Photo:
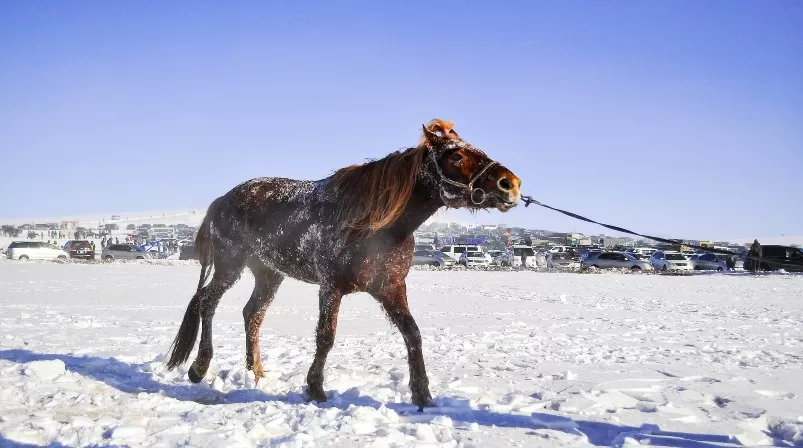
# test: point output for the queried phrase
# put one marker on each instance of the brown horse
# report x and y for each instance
(351, 232)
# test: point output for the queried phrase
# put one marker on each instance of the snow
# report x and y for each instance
(514, 359)
(45, 370)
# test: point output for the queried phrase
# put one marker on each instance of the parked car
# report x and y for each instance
(475, 259)
(498, 257)
(506, 258)
(425, 247)
(432, 258)
(727, 258)
(124, 252)
(187, 252)
(607, 260)
(35, 250)
(518, 251)
(161, 234)
(543, 258)
(562, 261)
(670, 261)
(80, 249)
(791, 257)
(501, 258)
(643, 252)
(739, 264)
(591, 252)
(454, 251)
(555, 249)
(707, 262)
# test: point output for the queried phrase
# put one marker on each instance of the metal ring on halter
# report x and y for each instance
(484, 196)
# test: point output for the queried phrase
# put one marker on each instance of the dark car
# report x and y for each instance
(187, 252)
(787, 258)
(80, 249)
(431, 258)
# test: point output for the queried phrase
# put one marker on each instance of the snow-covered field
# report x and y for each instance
(514, 359)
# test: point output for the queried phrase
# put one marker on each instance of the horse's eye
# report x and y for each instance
(455, 157)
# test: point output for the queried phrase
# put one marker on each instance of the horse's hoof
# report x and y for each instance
(316, 394)
(423, 402)
(194, 376)
(258, 374)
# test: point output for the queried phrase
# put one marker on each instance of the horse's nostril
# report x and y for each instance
(504, 184)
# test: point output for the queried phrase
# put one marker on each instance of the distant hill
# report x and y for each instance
(190, 217)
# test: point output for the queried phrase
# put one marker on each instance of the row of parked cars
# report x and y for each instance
(773, 257)
(641, 258)
(470, 256)
(653, 259)
(80, 249)
(662, 261)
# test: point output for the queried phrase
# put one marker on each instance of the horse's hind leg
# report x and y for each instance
(266, 283)
(329, 305)
(224, 277)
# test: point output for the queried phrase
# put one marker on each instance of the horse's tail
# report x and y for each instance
(204, 248)
(188, 332)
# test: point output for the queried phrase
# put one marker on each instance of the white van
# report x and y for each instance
(35, 250)
(454, 251)
(518, 251)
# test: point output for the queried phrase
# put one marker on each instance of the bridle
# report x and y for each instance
(470, 185)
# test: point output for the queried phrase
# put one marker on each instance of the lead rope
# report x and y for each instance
(530, 200)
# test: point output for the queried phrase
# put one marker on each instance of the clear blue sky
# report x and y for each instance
(679, 118)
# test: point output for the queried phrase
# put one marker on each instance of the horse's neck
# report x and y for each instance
(423, 203)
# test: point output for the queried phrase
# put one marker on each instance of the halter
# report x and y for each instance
(470, 185)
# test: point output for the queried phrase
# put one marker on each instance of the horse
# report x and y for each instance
(350, 232)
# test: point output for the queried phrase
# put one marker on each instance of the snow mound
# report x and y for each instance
(45, 370)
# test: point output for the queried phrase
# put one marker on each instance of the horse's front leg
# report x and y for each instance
(394, 301)
(329, 305)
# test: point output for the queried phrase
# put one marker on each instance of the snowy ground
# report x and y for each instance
(514, 359)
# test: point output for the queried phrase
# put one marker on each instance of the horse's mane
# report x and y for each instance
(375, 194)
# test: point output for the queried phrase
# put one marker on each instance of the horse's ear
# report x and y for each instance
(429, 136)
(438, 132)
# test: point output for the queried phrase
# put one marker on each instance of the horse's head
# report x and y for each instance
(466, 176)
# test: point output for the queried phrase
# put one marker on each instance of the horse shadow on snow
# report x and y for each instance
(132, 379)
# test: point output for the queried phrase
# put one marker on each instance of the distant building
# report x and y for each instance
(69, 224)
(609, 241)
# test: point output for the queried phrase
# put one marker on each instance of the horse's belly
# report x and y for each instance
(293, 264)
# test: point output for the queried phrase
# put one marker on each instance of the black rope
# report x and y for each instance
(529, 200)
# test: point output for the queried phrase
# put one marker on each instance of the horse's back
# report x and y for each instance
(256, 194)
(291, 227)
(276, 220)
